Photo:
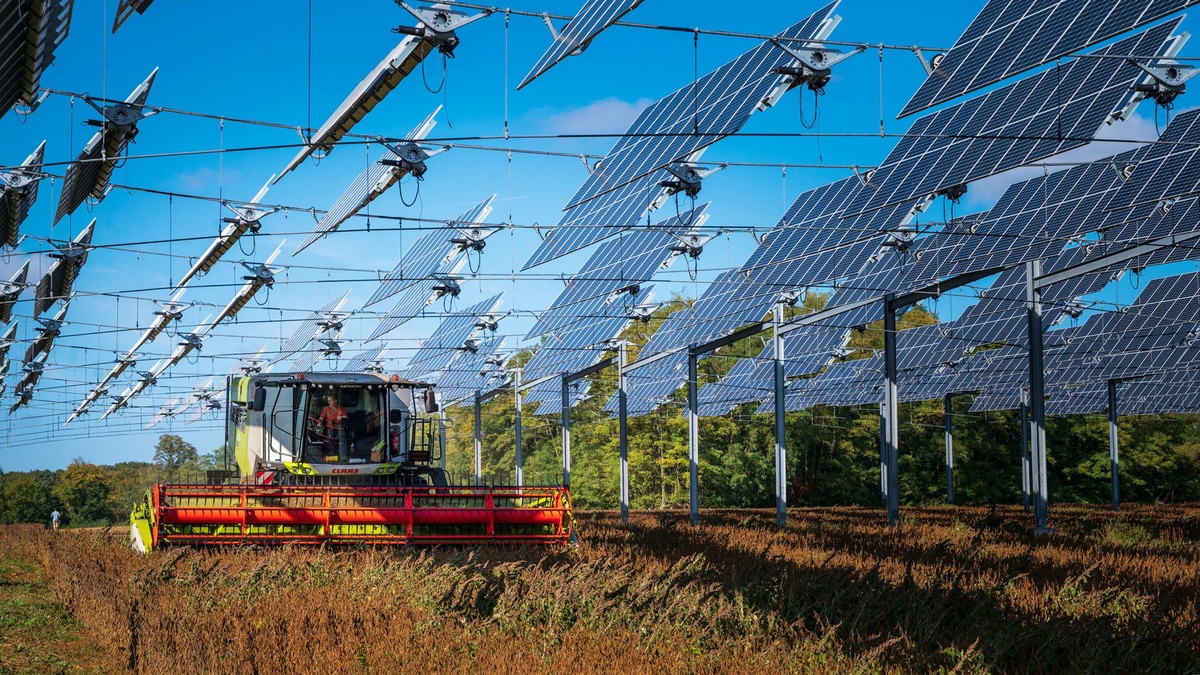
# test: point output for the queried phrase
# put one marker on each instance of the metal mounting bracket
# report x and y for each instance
(816, 63)
(438, 23)
(932, 65)
(1169, 79)
(689, 178)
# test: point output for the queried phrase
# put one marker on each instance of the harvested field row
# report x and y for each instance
(954, 588)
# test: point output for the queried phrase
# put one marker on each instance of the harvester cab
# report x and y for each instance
(335, 429)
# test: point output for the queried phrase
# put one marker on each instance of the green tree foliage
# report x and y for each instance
(84, 489)
(172, 454)
(27, 497)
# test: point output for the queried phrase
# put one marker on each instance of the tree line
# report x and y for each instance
(91, 495)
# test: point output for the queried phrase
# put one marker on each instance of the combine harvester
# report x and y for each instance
(341, 458)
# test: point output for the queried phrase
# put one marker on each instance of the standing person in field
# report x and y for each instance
(54, 516)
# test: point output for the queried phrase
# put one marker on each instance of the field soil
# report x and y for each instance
(953, 588)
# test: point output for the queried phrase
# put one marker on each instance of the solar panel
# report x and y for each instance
(598, 219)
(1007, 38)
(318, 322)
(1156, 333)
(18, 192)
(619, 265)
(582, 344)
(1165, 169)
(59, 280)
(482, 370)
(727, 303)
(8, 340)
(201, 392)
(31, 373)
(593, 17)
(750, 380)
(168, 410)
(315, 351)
(427, 254)
(650, 386)
(699, 114)
(260, 276)
(417, 297)
(451, 335)
(50, 329)
(30, 32)
(246, 220)
(374, 181)
(126, 8)
(88, 175)
(10, 291)
(844, 383)
(1089, 399)
(369, 360)
(813, 245)
(435, 31)
(551, 402)
(1029, 120)
(1033, 219)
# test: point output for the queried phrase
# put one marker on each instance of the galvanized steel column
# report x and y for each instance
(566, 431)
(478, 441)
(520, 459)
(780, 427)
(1037, 399)
(890, 421)
(1113, 459)
(693, 439)
(949, 409)
(623, 429)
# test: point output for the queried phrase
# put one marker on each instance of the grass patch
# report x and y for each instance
(37, 635)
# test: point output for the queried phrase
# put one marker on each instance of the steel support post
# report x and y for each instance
(949, 409)
(883, 462)
(780, 427)
(1025, 488)
(891, 421)
(520, 459)
(1113, 459)
(1037, 400)
(623, 430)
(478, 440)
(566, 431)
(693, 440)
(442, 438)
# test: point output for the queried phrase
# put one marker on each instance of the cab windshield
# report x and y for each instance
(345, 425)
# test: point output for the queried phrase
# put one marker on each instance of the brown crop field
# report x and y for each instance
(954, 588)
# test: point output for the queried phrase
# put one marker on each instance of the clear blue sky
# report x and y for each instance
(252, 61)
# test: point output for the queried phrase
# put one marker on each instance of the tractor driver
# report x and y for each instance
(333, 421)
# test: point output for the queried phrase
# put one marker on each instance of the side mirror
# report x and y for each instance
(431, 404)
(259, 402)
(395, 416)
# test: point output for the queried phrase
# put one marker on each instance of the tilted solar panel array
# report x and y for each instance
(617, 265)
(30, 32)
(429, 253)
(593, 17)
(452, 335)
(1009, 37)
(1023, 122)
(673, 129)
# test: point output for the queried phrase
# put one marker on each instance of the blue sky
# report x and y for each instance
(252, 61)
